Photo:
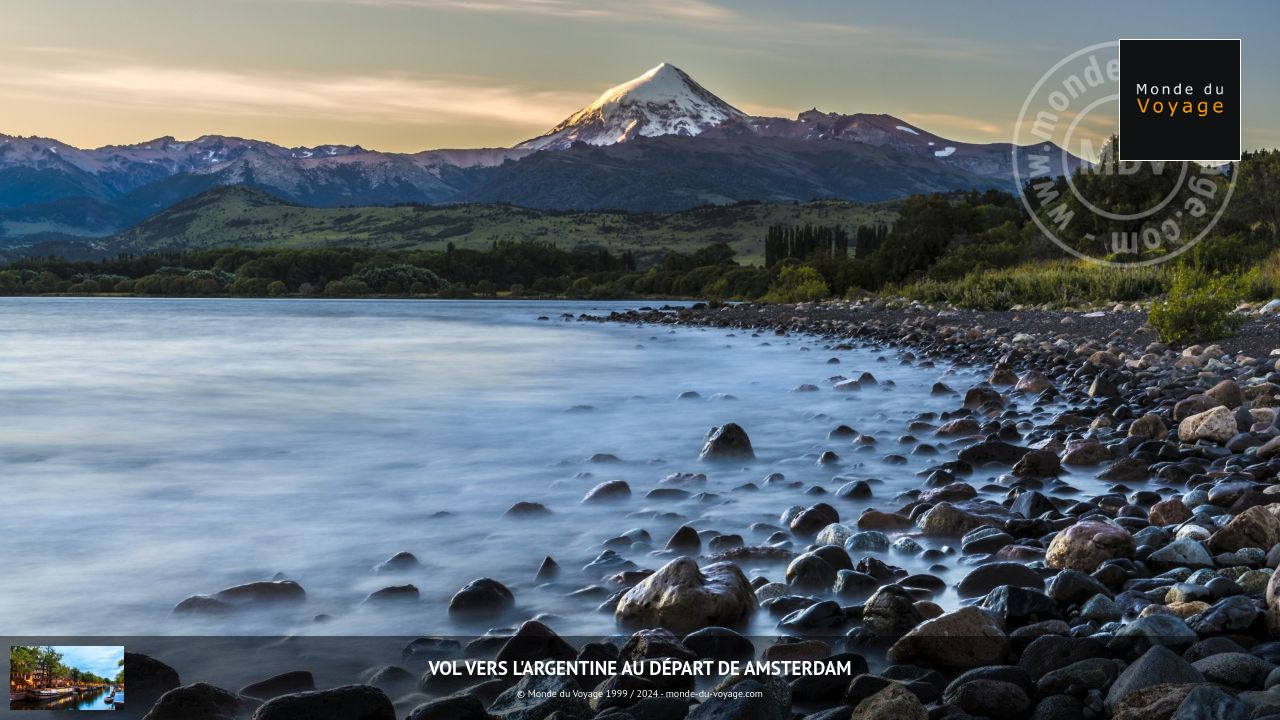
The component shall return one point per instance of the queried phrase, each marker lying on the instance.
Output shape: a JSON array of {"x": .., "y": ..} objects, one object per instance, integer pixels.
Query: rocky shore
[{"x": 1152, "y": 598}]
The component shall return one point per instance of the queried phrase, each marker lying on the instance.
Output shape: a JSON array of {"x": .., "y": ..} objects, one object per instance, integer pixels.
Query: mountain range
[{"x": 658, "y": 143}]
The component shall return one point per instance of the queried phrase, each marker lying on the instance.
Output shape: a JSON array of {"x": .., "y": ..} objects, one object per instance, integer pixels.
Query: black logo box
[{"x": 1187, "y": 64}]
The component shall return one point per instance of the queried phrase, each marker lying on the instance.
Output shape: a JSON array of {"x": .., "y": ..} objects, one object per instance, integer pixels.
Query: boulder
[
  {"x": 1157, "y": 666},
  {"x": 947, "y": 520},
  {"x": 352, "y": 702},
  {"x": 1038, "y": 463},
  {"x": 1217, "y": 425},
  {"x": 985, "y": 578},
  {"x": 456, "y": 707},
  {"x": 197, "y": 702},
  {"x": 682, "y": 597},
  {"x": 1085, "y": 545},
  {"x": 727, "y": 442},
  {"x": 1256, "y": 527},
  {"x": 894, "y": 702},
  {"x": 890, "y": 612},
  {"x": 283, "y": 684},
  {"x": 1169, "y": 512},
  {"x": 958, "y": 640},
  {"x": 148, "y": 679},
  {"x": 1148, "y": 427},
  {"x": 484, "y": 596},
  {"x": 539, "y": 696},
  {"x": 608, "y": 491}
]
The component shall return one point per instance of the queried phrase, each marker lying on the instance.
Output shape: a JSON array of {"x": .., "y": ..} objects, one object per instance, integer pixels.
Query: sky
[
  {"x": 98, "y": 659},
  {"x": 409, "y": 75}
]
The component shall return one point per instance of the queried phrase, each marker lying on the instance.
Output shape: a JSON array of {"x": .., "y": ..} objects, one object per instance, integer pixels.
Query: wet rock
[
  {"x": 992, "y": 452},
  {"x": 197, "y": 702},
  {"x": 1169, "y": 512},
  {"x": 283, "y": 684},
  {"x": 1228, "y": 615},
  {"x": 1235, "y": 669},
  {"x": 393, "y": 680},
  {"x": 890, "y": 611},
  {"x": 685, "y": 539},
  {"x": 1181, "y": 553},
  {"x": 1080, "y": 677},
  {"x": 985, "y": 578},
  {"x": 719, "y": 643},
  {"x": 1157, "y": 666},
  {"x": 960, "y": 426},
  {"x": 1157, "y": 701},
  {"x": 539, "y": 696},
  {"x": 947, "y": 520},
  {"x": 958, "y": 640},
  {"x": 535, "y": 641},
  {"x": 825, "y": 615},
  {"x": 527, "y": 509},
  {"x": 810, "y": 573},
  {"x": 352, "y": 702},
  {"x": 548, "y": 570},
  {"x": 854, "y": 585},
  {"x": 608, "y": 491},
  {"x": 879, "y": 520},
  {"x": 394, "y": 593},
  {"x": 1100, "y": 609},
  {"x": 457, "y": 707},
  {"x": 812, "y": 519},
  {"x": 1148, "y": 427},
  {"x": 1156, "y": 629},
  {"x": 1255, "y": 527},
  {"x": 894, "y": 702},
  {"x": 1085, "y": 452},
  {"x": 867, "y": 541},
  {"x": 1217, "y": 425},
  {"x": 682, "y": 597},
  {"x": 1226, "y": 393},
  {"x": 1072, "y": 587},
  {"x": 1017, "y": 606},
  {"x": 148, "y": 678},
  {"x": 484, "y": 596},
  {"x": 1038, "y": 464},
  {"x": 1047, "y": 653},
  {"x": 993, "y": 699},
  {"x": 727, "y": 442},
  {"x": 979, "y": 395},
  {"x": 1207, "y": 702},
  {"x": 400, "y": 562},
  {"x": 1033, "y": 383},
  {"x": 249, "y": 595},
  {"x": 1085, "y": 545},
  {"x": 834, "y": 534}
]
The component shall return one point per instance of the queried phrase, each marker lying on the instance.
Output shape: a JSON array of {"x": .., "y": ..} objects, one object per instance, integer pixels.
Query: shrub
[
  {"x": 277, "y": 288},
  {"x": 398, "y": 277},
  {"x": 798, "y": 283},
  {"x": 346, "y": 287},
  {"x": 1197, "y": 308}
]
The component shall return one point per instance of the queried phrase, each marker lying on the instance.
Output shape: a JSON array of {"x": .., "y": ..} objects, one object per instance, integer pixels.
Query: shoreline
[{"x": 1073, "y": 603}]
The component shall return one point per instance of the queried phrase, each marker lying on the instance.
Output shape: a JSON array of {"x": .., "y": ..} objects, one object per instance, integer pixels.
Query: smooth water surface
[{"x": 156, "y": 449}]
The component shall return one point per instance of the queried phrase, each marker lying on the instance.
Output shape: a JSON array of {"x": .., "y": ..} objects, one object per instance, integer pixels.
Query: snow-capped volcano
[{"x": 663, "y": 101}]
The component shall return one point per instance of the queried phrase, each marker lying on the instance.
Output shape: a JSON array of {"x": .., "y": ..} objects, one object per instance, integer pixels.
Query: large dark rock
[
  {"x": 727, "y": 442},
  {"x": 1157, "y": 666},
  {"x": 197, "y": 702},
  {"x": 538, "y": 696},
  {"x": 985, "y": 578},
  {"x": 147, "y": 679},
  {"x": 994, "y": 699},
  {"x": 282, "y": 684},
  {"x": 484, "y": 596},
  {"x": 352, "y": 702},
  {"x": 719, "y": 643},
  {"x": 535, "y": 641}
]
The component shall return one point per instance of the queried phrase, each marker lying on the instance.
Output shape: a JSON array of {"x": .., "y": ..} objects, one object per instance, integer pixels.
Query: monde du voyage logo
[{"x": 1125, "y": 151}]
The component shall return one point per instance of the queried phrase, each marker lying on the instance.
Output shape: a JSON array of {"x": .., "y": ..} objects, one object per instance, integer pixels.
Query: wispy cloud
[
  {"x": 625, "y": 10},
  {"x": 936, "y": 121},
  {"x": 399, "y": 98}
]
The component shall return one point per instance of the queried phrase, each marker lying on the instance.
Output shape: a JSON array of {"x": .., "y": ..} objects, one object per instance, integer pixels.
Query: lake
[{"x": 154, "y": 449}]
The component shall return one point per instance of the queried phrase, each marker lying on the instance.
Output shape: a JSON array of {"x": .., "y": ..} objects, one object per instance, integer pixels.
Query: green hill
[{"x": 243, "y": 217}]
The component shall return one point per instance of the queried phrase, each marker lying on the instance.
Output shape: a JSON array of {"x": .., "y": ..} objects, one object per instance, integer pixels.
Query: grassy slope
[{"x": 246, "y": 218}]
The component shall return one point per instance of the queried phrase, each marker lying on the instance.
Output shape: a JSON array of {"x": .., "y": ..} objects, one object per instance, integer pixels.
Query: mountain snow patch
[
  {"x": 944, "y": 151},
  {"x": 904, "y": 128}
]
